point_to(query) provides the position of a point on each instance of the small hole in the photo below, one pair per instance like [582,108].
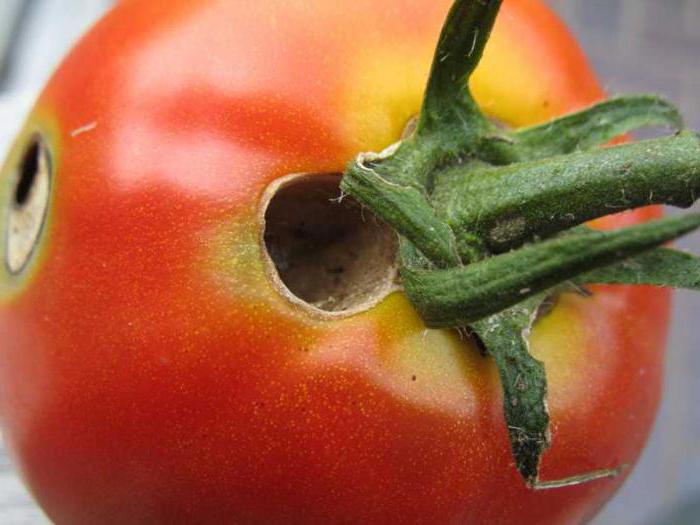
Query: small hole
[28,171]
[329,252]
[28,205]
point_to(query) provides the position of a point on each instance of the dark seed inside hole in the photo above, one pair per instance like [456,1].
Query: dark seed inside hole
[329,252]
[28,170]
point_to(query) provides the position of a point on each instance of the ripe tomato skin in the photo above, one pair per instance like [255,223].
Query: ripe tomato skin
[149,373]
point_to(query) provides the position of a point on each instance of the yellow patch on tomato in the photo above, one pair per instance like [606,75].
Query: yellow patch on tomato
[508,85]
[563,340]
[390,345]
[384,90]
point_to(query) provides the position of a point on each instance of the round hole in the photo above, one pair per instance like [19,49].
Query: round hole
[27,211]
[325,252]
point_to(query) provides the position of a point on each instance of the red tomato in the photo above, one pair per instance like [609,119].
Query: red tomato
[150,370]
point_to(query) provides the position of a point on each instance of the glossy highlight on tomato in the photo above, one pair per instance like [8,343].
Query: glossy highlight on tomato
[152,372]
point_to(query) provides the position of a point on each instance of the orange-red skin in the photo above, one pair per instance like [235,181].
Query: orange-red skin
[150,374]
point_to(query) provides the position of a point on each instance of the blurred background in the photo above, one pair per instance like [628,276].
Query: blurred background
[635,45]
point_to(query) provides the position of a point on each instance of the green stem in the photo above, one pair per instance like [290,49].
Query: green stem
[660,267]
[461,45]
[520,202]
[596,125]
[524,383]
[461,295]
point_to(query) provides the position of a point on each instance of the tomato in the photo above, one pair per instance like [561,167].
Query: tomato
[150,369]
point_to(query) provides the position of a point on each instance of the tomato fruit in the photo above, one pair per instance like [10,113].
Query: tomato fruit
[151,371]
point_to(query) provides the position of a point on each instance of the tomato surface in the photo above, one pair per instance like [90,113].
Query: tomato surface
[151,373]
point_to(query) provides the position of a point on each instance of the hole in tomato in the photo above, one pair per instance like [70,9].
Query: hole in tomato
[326,252]
[29,205]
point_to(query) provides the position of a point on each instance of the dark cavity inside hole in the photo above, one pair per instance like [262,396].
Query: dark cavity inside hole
[28,170]
[329,252]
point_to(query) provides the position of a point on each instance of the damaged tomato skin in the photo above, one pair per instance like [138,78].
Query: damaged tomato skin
[149,372]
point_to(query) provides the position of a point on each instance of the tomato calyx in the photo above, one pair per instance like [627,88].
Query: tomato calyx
[491,220]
